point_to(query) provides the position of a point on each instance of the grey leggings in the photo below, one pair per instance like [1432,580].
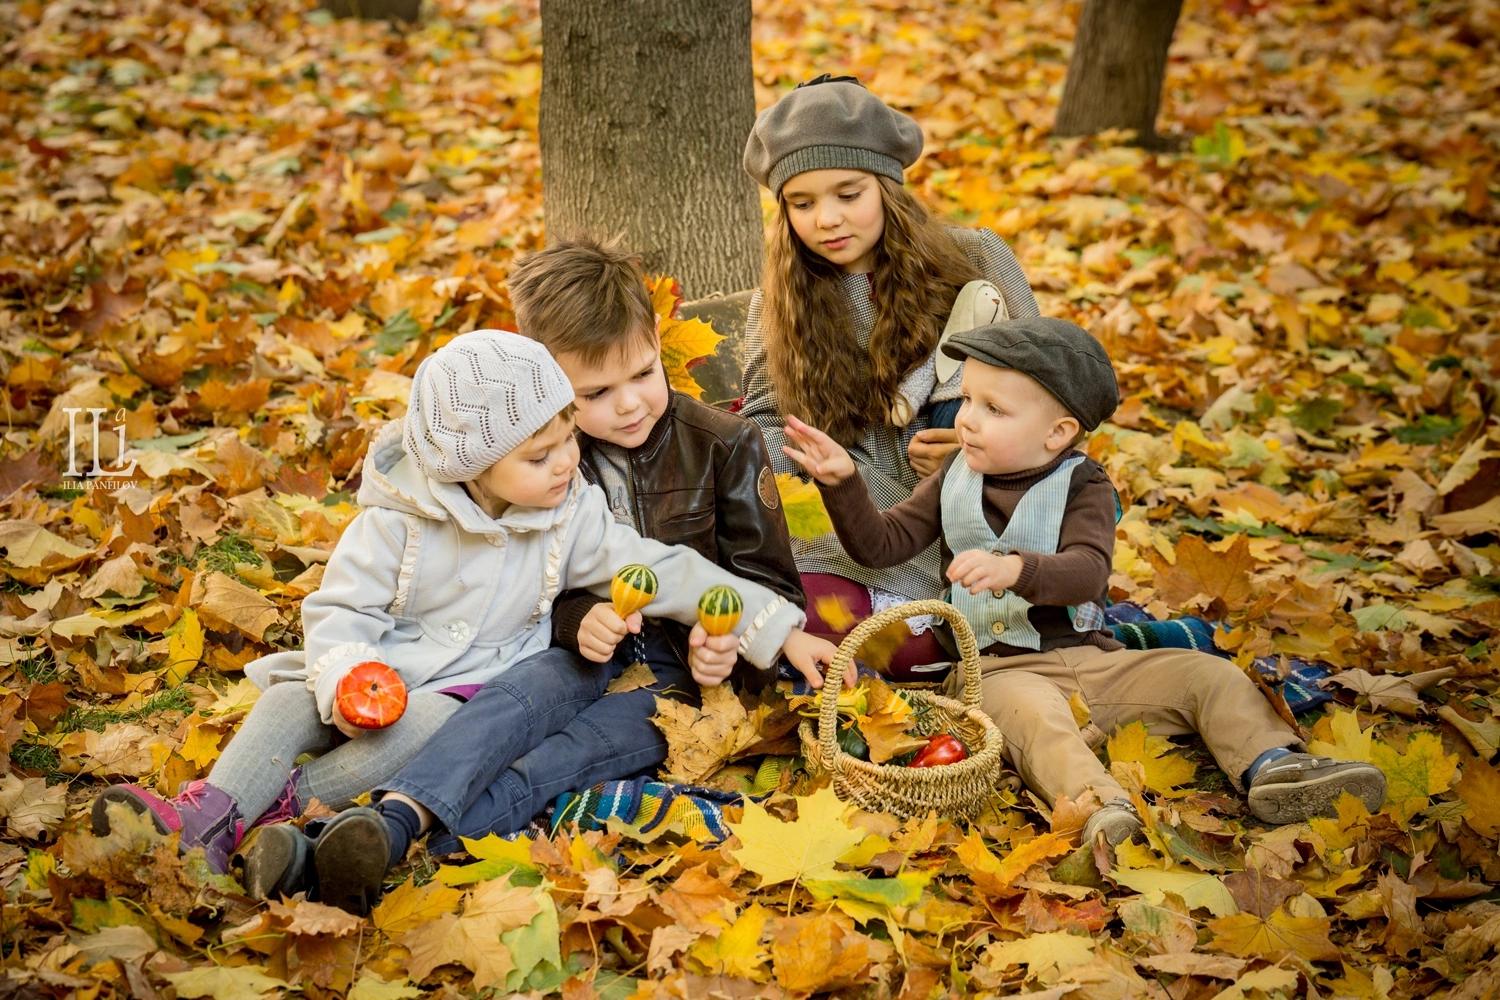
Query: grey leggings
[284,724]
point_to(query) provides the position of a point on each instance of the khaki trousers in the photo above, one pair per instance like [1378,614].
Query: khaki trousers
[1173,691]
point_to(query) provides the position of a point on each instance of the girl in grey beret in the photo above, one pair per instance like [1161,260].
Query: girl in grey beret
[860,284]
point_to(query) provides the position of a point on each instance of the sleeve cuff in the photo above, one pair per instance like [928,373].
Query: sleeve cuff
[324,673]
[762,641]
[568,616]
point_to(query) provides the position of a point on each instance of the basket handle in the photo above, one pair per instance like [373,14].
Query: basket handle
[833,679]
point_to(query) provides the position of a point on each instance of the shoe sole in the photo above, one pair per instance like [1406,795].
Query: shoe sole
[99,813]
[276,863]
[1296,801]
[350,860]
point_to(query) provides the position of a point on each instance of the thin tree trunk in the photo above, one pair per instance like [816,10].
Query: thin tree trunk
[644,112]
[1119,60]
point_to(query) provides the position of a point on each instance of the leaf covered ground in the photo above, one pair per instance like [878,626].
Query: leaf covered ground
[233,228]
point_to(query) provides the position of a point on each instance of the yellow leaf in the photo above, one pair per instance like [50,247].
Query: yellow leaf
[1275,937]
[997,876]
[222,982]
[184,647]
[201,748]
[1041,953]
[1165,771]
[806,517]
[1414,772]
[683,341]
[1338,735]
[807,847]
[737,951]
[1196,888]
[835,612]
[409,906]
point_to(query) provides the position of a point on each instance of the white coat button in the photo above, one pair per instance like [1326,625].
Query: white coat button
[458,631]
[997,629]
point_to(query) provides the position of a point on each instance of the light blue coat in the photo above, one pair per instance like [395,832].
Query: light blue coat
[426,581]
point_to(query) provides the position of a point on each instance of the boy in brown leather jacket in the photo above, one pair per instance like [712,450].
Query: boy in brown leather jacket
[678,471]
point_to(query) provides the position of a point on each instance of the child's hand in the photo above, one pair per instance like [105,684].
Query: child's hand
[344,726]
[977,571]
[601,631]
[928,449]
[820,456]
[712,657]
[811,655]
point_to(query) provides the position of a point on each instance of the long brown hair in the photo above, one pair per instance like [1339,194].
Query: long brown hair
[819,371]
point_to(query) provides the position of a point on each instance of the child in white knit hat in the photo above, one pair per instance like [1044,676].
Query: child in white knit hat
[475,518]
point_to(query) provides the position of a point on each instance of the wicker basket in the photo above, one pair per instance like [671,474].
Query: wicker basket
[959,790]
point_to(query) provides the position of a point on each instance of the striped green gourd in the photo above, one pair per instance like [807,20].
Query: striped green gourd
[633,588]
[719,609]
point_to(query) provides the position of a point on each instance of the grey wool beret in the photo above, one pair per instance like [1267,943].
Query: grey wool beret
[836,124]
[1067,361]
[477,398]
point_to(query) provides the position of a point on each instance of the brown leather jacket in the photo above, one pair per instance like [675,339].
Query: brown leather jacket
[702,479]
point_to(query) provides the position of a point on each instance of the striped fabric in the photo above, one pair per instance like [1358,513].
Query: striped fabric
[881,453]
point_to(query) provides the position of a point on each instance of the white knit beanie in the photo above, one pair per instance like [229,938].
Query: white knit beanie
[477,398]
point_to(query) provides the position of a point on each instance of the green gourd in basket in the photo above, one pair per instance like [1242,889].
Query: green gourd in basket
[961,789]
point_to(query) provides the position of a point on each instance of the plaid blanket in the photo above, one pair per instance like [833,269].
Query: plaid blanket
[1138,630]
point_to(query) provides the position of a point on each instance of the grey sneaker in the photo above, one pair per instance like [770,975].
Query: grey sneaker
[1116,819]
[1298,786]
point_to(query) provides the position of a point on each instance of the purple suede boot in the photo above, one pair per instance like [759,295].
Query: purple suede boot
[288,805]
[205,817]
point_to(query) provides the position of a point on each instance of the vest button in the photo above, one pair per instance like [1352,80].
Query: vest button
[997,629]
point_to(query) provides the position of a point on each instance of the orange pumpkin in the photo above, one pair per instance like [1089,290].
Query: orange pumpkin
[371,696]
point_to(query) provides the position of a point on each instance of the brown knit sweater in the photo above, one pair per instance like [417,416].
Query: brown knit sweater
[1077,573]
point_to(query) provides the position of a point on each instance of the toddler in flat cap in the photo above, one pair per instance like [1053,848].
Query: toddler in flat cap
[1026,524]
[474,519]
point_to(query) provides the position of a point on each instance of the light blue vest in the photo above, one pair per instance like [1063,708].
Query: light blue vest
[1033,527]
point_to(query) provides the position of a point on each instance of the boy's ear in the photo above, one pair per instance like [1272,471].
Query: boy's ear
[1063,433]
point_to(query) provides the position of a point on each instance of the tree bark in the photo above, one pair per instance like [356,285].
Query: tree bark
[1119,60]
[374,10]
[644,112]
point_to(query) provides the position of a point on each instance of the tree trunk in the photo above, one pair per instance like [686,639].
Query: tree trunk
[1115,75]
[374,10]
[644,112]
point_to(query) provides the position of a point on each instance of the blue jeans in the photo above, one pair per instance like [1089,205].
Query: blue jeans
[542,728]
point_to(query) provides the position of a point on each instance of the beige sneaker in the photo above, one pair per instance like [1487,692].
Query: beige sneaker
[1116,819]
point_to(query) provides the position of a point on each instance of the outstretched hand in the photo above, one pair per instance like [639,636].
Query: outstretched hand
[819,455]
[811,655]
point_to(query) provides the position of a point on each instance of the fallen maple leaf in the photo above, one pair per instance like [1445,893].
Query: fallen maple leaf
[1400,692]
[807,847]
[1414,773]
[1056,951]
[222,982]
[409,906]
[1164,771]
[31,808]
[1275,937]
